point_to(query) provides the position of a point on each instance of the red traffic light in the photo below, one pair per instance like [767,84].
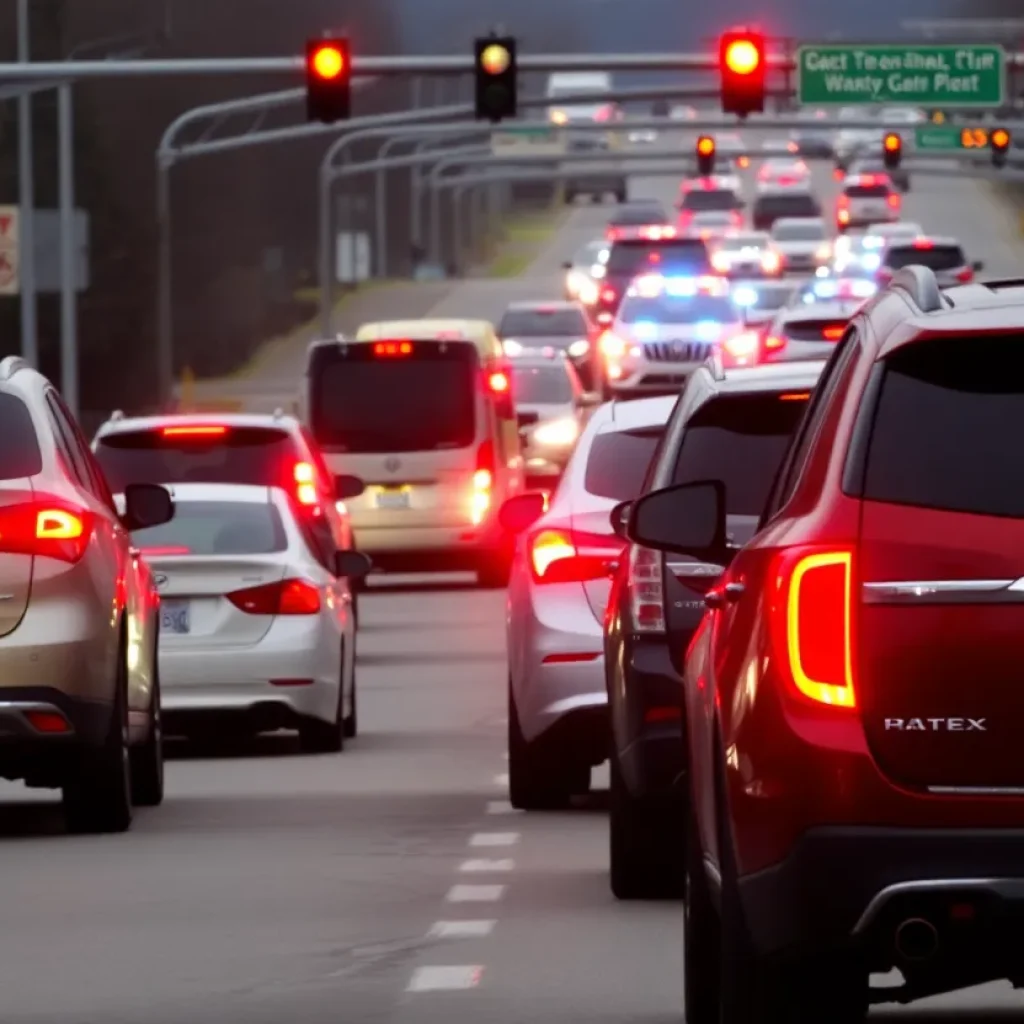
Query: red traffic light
[742,57]
[327,61]
[1000,138]
[705,145]
[892,142]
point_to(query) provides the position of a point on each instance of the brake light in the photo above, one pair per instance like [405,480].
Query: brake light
[721,262]
[774,342]
[844,200]
[607,294]
[923,243]
[213,430]
[286,597]
[966,275]
[483,482]
[392,349]
[499,383]
[844,216]
[612,346]
[741,349]
[304,476]
[770,262]
[833,333]
[646,590]
[894,200]
[812,623]
[48,527]
[559,556]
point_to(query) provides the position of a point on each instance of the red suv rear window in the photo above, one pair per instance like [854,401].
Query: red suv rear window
[241,455]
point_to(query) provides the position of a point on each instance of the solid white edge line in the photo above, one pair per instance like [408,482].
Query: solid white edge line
[445,978]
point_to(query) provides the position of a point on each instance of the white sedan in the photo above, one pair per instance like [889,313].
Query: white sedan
[256,623]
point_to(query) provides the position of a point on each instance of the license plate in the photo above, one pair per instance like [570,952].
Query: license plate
[392,499]
[174,617]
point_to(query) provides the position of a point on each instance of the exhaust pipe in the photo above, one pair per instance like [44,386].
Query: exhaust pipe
[917,939]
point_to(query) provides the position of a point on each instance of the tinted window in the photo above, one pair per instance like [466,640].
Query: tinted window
[241,456]
[216,528]
[741,441]
[942,434]
[628,258]
[938,257]
[19,449]
[799,232]
[701,199]
[541,385]
[672,310]
[541,323]
[424,401]
[617,463]
[867,191]
[644,213]
[713,218]
[786,206]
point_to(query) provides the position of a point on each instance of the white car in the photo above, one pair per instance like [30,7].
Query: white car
[557,595]
[256,619]
[778,174]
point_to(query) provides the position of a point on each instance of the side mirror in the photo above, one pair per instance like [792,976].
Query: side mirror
[590,399]
[687,519]
[978,266]
[346,487]
[146,505]
[522,511]
[619,518]
[352,565]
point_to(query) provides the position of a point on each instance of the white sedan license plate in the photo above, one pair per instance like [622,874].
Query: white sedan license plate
[174,617]
[393,499]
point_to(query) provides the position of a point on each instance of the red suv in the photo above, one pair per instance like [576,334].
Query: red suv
[855,693]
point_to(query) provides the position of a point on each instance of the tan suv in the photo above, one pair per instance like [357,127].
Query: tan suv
[79,688]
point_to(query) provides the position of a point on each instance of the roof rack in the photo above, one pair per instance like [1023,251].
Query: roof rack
[1003,282]
[715,365]
[11,365]
[117,414]
[921,286]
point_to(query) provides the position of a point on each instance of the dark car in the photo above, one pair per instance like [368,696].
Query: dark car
[737,425]
[772,206]
[589,178]
[852,695]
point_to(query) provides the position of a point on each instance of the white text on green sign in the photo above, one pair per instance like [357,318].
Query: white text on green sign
[947,76]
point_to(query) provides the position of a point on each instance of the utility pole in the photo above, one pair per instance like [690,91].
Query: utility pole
[27,202]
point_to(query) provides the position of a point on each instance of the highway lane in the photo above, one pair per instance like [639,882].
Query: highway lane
[391,883]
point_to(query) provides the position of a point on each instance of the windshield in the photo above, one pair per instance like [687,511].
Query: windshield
[425,401]
[241,455]
[867,191]
[936,257]
[617,463]
[630,258]
[542,385]
[543,323]
[216,528]
[704,199]
[670,309]
[813,232]
[939,437]
[740,440]
[787,206]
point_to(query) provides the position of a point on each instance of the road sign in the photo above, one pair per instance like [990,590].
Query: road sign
[540,141]
[951,137]
[10,278]
[913,76]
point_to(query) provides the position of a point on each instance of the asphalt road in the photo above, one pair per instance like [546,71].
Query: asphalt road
[390,884]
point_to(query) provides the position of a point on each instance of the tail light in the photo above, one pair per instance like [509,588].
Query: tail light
[966,275]
[607,294]
[774,343]
[833,333]
[646,586]
[741,349]
[770,263]
[48,527]
[562,556]
[844,216]
[811,614]
[286,597]
[304,475]
[483,483]
[894,200]
[207,431]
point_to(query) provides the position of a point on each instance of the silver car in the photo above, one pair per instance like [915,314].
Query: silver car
[256,616]
[801,244]
[557,595]
[807,331]
[79,685]
[944,256]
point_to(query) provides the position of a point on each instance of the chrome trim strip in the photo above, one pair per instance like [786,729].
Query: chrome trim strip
[879,900]
[943,591]
[694,570]
[977,790]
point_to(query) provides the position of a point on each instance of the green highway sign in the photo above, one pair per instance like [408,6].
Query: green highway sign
[916,76]
[950,136]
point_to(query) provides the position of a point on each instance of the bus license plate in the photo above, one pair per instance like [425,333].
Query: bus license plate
[393,499]
[174,617]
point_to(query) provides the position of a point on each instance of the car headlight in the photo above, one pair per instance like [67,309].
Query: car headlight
[557,433]
[579,348]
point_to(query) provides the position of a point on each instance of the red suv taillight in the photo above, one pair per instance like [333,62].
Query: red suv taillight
[286,597]
[645,583]
[562,556]
[48,527]
[811,614]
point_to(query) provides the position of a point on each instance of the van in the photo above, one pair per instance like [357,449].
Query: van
[424,410]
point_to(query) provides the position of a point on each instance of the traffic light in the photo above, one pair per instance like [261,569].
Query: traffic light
[999,140]
[892,150]
[705,155]
[744,68]
[328,80]
[497,85]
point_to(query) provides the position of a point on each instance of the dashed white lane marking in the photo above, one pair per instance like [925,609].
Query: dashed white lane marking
[461,929]
[445,979]
[501,807]
[494,839]
[501,780]
[481,866]
[475,893]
